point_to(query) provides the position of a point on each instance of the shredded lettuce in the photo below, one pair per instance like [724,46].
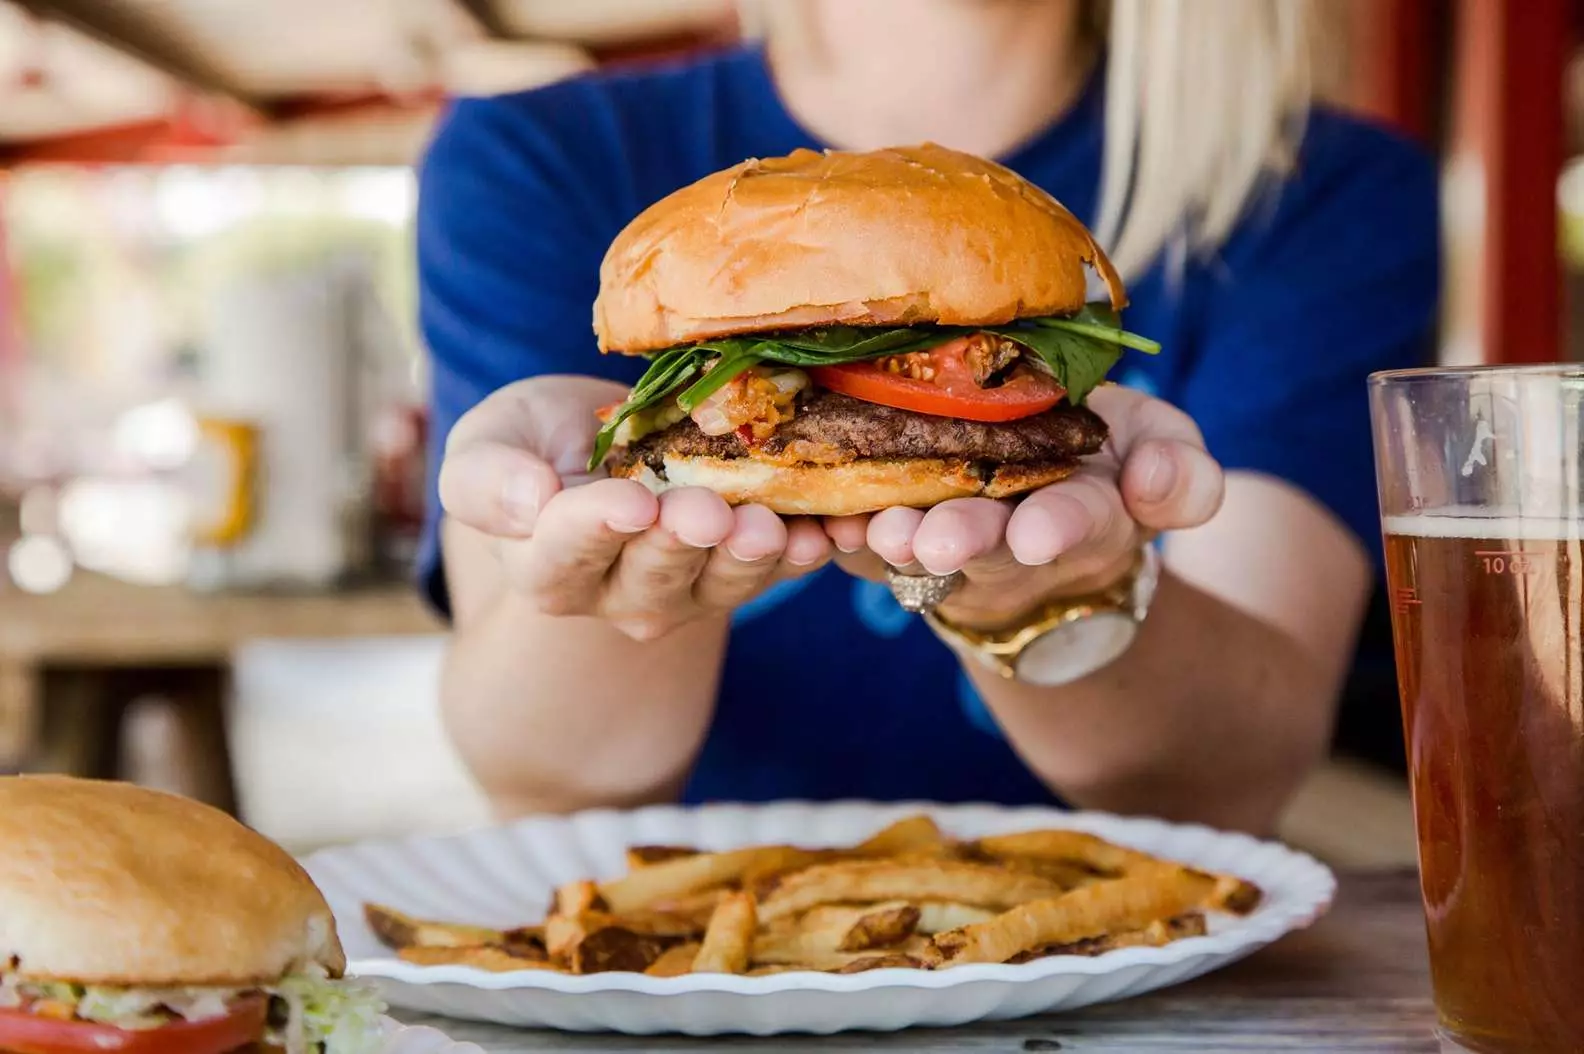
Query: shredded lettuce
[128,1008]
[342,1016]
[321,1014]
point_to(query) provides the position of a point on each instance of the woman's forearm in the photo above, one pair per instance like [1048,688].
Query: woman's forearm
[1212,715]
[552,714]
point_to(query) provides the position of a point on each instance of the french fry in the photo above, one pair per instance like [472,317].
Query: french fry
[729,940]
[578,898]
[645,855]
[526,942]
[1078,847]
[882,925]
[1156,934]
[832,928]
[657,923]
[1069,874]
[913,835]
[397,930]
[937,916]
[616,949]
[1235,895]
[914,948]
[563,932]
[762,878]
[679,877]
[981,885]
[674,961]
[695,907]
[482,957]
[1158,890]
[910,840]
[787,948]
[890,961]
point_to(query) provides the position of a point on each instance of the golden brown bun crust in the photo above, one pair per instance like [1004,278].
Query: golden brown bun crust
[108,883]
[889,237]
[846,489]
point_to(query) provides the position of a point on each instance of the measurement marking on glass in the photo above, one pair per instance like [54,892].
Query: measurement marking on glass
[1404,598]
[1509,561]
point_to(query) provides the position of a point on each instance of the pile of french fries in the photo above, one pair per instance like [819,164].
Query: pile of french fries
[908,897]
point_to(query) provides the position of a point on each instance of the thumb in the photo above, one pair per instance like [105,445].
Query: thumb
[521,444]
[1171,485]
[496,488]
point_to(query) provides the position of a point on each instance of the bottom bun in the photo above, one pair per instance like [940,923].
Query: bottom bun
[846,489]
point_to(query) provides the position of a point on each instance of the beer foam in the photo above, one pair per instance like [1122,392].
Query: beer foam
[1486,528]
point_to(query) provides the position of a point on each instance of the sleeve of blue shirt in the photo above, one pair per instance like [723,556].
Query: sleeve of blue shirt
[509,234]
[1336,278]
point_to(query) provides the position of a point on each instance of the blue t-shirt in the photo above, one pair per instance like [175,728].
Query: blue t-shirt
[829,688]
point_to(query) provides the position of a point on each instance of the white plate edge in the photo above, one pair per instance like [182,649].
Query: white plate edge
[398,1038]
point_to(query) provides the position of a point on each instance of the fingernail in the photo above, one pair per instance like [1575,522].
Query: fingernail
[1160,476]
[1042,525]
[522,498]
[803,558]
[848,549]
[626,528]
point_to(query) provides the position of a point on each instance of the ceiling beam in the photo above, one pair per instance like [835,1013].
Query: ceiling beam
[489,19]
[132,35]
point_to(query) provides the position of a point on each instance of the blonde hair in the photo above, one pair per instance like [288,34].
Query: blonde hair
[1205,103]
[1205,107]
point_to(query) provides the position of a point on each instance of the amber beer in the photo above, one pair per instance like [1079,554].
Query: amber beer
[1488,616]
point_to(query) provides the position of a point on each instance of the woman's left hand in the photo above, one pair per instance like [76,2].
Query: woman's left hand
[1069,538]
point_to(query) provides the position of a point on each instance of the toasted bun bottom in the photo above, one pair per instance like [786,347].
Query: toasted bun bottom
[848,489]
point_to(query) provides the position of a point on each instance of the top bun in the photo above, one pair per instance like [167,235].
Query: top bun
[889,237]
[108,883]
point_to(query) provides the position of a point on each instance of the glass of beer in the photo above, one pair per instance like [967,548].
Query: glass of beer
[1481,479]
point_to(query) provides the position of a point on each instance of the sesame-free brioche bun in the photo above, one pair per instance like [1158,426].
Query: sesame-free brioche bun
[849,489]
[910,235]
[109,883]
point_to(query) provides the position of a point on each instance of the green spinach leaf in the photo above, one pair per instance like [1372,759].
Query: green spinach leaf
[1079,351]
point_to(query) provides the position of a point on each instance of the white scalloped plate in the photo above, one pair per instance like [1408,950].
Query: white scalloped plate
[503,876]
[402,1039]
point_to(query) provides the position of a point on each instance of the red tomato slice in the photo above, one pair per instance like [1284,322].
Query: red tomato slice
[951,392]
[25,1033]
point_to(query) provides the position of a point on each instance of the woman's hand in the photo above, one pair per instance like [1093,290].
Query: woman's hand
[1068,538]
[515,469]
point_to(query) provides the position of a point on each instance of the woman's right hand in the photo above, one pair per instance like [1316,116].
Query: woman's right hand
[515,470]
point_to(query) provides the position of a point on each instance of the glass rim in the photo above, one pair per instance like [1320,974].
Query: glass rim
[1445,373]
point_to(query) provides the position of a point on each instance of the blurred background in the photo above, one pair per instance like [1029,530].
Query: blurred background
[211,388]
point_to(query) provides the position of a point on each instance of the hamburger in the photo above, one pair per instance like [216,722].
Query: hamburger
[144,923]
[839,332]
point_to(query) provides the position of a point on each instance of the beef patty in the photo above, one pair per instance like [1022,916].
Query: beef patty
[831,428]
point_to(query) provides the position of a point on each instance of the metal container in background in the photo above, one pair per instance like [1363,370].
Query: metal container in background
[281,393]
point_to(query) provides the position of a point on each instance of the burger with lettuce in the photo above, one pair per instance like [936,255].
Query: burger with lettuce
[833,333]
[139,922]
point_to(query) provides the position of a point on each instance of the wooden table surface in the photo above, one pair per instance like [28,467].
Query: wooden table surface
[1357,981]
